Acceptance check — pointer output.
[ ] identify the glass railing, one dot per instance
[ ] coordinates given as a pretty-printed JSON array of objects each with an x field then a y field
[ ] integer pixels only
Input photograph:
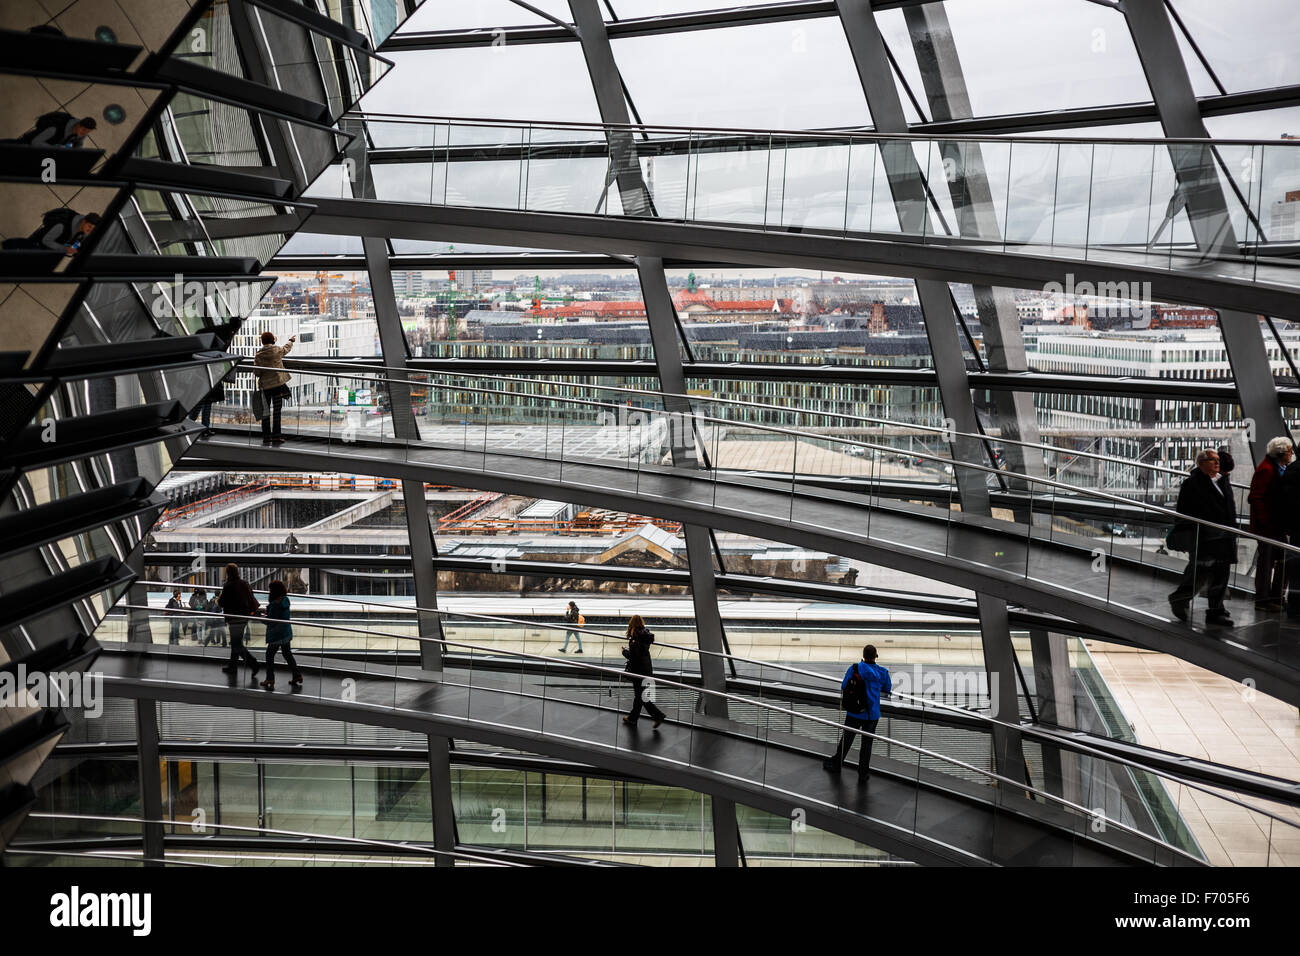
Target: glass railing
[
  {"x": 127, "y": 825},
  {"x": 1145, "y": 481},
  {"x": 721, "y": 428},
  {"x": 1100, "y": 548},
  {"x": 1164, "y": 204},
  {"x": 1113, "y": 789}
]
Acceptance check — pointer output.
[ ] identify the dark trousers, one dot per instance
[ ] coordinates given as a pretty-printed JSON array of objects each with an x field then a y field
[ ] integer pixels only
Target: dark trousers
[
  {"x": 1269, "y": 573},
  {"x": 1291, "y": 574},
  {"x": 846, "y": 742},
  {"x": 1210, "y": 576},
  {"x": 288, "y": 659},
  {"x": 271, "y": 406},
  {"x": 174, "y": 634},
  {"x": 237, "y": 649},
  {"x": 216, "y": 634},
  {"x": 638, "y": 703},
  {"x": 203, "y": 414}
]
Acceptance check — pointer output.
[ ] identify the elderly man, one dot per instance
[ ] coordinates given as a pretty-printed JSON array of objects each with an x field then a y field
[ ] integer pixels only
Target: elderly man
[
  {"x": 1212, "y": 551},
  {"x": 1267, "y": 519}
]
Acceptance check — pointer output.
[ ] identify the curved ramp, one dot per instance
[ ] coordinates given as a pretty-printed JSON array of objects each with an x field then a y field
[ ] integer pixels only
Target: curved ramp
[
  {"x": 925, "y": 816},
  {"x": 1124, "y": 595}
]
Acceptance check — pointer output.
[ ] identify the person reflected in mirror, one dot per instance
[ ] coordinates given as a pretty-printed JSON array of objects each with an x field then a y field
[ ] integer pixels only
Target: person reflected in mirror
[
  {"x": 216, "y": 623},
  {"x": 59, "y": 130},
  {"x": 173, "y": 613},
  {"x": 202, "y": 412},
  {"x": 273, "y": 381},
  {"x": 860, "y": 692},
  {"x": 1211, "y": 551},
  {"x": 637, "y": 652},
  {"x": 1266, "y": 520},
  {"x": 279, "y": 634},
  {"x": 61, "y": 230},
  {"x": 198, "y": 603}
]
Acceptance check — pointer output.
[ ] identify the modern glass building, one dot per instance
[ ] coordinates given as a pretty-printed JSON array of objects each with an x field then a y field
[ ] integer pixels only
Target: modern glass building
[{"x": 451, "y": 342}]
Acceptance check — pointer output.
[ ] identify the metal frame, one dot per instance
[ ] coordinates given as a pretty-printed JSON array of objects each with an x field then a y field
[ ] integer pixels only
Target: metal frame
[
  {"x": 942, "y": 322},
  {"x": 424, "y": 549},
  {"x": 946, "y": 261},
  {"x": 1171, "y": 88},
  {"x": 146, "y": 732}
]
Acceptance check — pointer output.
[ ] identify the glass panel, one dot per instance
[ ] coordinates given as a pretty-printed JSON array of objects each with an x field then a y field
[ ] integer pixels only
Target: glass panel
[
  {"x": 1022, "y": 56},
  {"x": 807, "y": 79},
  {"x": 496, "y": 93},
  {"x": 1250, "y": 45}
]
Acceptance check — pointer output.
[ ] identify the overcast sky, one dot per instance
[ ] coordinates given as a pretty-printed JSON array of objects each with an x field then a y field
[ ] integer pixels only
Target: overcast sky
[{"x": 1017, "y": 55}]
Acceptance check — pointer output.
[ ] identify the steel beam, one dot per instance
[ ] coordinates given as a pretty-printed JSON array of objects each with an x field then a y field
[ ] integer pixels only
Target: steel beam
[
  {"x": 1054, "y": 694},
  {"x": 1000, "y": 665},
  {"x": 151, "y": 808},
  {"x": 444, "y": 813},
  {"x": 257, "y": 70},
  {"x": 392, "y": 343},
  {"x": 910, "y": 194},
  {"x": 625, "y": 168},
  {"x": 662, "y": 318},
  {"x": 699, "y": 545},
  {"x": 1197, "y": 170},
  {"x": 894, "y": 255},
  {"x": 974, "y": 205},
  {"x": 708, "y": 619}
]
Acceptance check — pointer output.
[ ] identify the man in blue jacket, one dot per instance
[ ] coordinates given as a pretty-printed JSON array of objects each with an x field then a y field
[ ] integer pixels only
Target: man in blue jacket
[{"x": 869, "y": 680}]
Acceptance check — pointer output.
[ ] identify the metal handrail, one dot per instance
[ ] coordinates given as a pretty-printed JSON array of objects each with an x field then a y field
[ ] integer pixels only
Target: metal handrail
[
  {"x": 386, "y": 844},
  {"x": 763, "y": 406},
  {"x": 865, "y": 136},
  {"x": 621, "y": 675},
  {"x": 1074, "y": 491}
]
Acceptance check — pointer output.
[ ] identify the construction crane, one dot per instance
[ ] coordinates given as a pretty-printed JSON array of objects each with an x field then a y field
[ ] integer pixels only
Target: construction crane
[
  {"x": 323, "y": 292},
  {"x": 452, "y": 295}
]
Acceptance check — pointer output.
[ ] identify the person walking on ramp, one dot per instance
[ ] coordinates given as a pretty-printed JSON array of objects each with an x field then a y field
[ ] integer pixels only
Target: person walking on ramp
[
  {"x": 860, "y": 692},
  {"x": 637, "y": 652}
]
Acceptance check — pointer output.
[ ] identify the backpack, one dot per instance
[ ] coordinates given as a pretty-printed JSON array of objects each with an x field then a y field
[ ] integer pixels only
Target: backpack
[
  {"x": 61, "y": 216},
  {"x": 854, "y": 696},
  {"x": 581, "y": 620},
  {"x": 57, "y": 119}
]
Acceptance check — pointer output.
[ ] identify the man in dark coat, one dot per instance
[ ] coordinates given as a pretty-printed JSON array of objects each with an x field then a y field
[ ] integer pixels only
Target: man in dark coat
[
  {"x": 1206, "y": 495},
  {"x": 1289, "y": 498},
  {"x": 1266, "y": 520}
]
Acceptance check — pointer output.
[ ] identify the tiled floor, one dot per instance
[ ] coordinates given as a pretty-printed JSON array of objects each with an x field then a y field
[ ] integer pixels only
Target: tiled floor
[{"x": 1173, "y": 705}]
